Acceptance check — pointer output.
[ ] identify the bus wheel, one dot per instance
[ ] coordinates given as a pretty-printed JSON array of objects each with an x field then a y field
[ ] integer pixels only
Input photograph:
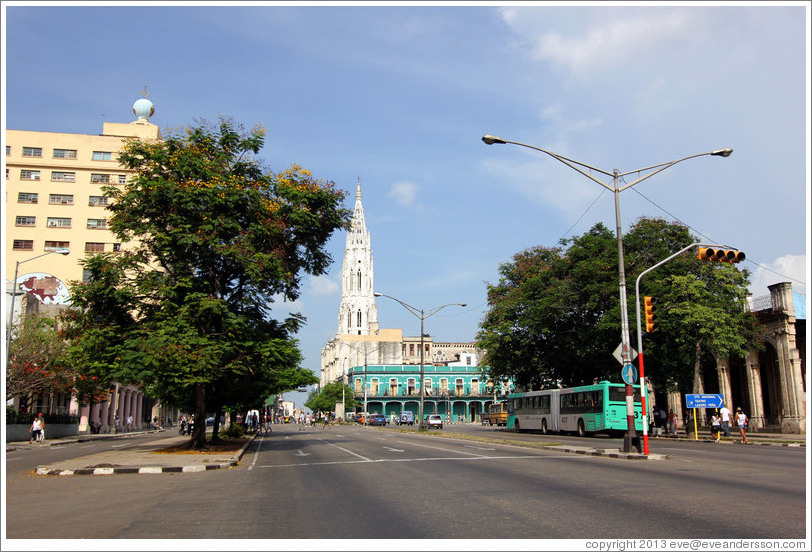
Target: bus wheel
[
  {"x": 516, "y": 427},
  {"x": 544, "y": 427},
  {"x": 581, "y": 431}
]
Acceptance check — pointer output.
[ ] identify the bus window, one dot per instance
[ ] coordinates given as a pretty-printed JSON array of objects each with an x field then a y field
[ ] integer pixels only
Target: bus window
[{"x": 618, "y": 394}]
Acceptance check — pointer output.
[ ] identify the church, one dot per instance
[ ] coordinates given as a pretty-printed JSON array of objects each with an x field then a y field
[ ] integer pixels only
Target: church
[{"x": 366, "y": 356}]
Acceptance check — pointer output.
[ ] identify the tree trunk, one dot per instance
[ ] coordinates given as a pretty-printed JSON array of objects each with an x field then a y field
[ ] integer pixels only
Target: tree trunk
[
  {"x": 698, "y": 388},
  {"x": 199, "y": 433},
  {"x": 215, "y": 430}
]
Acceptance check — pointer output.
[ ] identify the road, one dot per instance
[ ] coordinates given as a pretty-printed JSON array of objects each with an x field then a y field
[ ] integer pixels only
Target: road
[{"x": 367, "y": 483}]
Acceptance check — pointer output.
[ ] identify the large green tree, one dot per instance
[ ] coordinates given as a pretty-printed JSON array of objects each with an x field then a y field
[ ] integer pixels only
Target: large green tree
[
  {"x": 554, "y": 314},
  {"x": 325, "y": 399},
  {"x": 216, "y": 239}
]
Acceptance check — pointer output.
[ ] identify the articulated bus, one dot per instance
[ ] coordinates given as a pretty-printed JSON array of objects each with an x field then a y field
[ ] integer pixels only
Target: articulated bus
[{"x": 599, "y": 408}]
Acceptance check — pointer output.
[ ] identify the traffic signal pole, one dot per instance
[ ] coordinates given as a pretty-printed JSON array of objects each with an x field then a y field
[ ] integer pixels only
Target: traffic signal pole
[{"x": 728, "y": 255}]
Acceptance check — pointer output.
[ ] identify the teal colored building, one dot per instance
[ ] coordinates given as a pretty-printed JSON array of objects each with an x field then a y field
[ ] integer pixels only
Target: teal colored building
[{"x": 458, "y": 393}]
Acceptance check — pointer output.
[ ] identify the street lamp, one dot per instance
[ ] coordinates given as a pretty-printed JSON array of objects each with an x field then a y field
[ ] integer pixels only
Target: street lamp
[
  {"x": 423, "y": 314},
  {"x": 366, "y": 417},
  {"x": 14, "y": 290},
  {"x": 625, "y": 351}
]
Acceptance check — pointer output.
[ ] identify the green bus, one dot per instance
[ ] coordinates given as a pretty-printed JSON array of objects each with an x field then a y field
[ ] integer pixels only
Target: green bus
[{"x": 599, "y": 408}]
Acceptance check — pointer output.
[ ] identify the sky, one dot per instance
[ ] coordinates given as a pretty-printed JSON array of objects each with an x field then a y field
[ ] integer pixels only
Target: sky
[{"x": 398, "y": 95}]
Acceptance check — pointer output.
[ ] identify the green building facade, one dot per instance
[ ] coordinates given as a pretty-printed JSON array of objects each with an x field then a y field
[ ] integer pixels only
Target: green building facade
[{"x": 458, "y": 393}]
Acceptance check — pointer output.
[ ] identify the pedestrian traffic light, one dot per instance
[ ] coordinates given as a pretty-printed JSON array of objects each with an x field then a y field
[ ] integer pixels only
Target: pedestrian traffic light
[
  {"x": 722, "y": 255},
  {"x": 651, "y": 318}
]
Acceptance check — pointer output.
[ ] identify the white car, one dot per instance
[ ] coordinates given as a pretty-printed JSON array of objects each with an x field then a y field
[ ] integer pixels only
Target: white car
[{"x": 434, "y": 420}]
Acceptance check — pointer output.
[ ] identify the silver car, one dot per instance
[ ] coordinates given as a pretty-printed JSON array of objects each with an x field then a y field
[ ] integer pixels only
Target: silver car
[{"x": 434, "y": 420}]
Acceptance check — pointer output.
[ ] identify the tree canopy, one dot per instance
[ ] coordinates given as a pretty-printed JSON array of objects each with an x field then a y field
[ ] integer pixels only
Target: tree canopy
[
  {"x": 188, "y": 308},
  {"x": 554, "y": 314},
  {"x": 326, "y": 398}
]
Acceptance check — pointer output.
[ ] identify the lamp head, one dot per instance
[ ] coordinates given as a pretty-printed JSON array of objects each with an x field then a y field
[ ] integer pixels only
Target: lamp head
[
  {"x": 376, "y": 294},
  {"x": 722, "y": 152},
  {"x": 463, "y": 304},
  {"x": 491, "y": 139}
]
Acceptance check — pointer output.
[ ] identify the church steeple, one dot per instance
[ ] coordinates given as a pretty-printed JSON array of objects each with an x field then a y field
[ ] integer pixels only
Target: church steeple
[{"x": 358, "y": 313}]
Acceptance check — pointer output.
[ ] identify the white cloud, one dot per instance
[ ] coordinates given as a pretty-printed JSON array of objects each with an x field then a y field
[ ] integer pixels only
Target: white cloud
[
  {"x": 612, "y": 37},
  {"x": 789, "y": 268},
  {"x": 322, "y": 286},
  {"x": 404, "y": 192}
]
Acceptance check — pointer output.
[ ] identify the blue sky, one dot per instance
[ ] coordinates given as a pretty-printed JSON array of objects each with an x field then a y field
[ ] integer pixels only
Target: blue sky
[{"x": 400, "y": 96}]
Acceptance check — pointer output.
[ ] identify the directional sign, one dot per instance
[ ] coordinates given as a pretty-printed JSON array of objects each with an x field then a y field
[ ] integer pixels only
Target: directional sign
[
  {"x": 629, "y": 374},
  {"x": 704, "y": 401},
  {"x": 617, "y": 353}
]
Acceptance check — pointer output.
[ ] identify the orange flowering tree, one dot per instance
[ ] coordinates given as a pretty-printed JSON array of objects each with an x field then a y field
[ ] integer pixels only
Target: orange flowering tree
[{"x": 187, "y": 311}]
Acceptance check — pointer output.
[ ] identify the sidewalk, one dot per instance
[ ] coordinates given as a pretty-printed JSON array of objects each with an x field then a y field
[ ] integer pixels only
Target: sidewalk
[{"x": 139, "y": 457}]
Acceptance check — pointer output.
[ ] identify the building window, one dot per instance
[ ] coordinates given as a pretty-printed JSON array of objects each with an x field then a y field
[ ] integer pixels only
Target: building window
[
  {"x": 23, "y": 245},
  {"x": 8, "y": 150},
  {"x": 97, "y": 201},
  {"x": 373, "y": 387},
  {"x": 92, "y": 247},
  {"x": 411, "y": 349},
  {"x": 358, "y": 384},
  {"x": 427, "y": 384},
  {"x": 96, "y": 178},
  {"x": 60, "y": 176},
  {"x": 444, "y": 386},
  {"x": 54, "y": 245},
  {"x": 25, "y": 221},
  {"x": 393, "y": 386},
  {"x": 57, "y": 222},
  {"x": 359, "y": 280},
  {"x": 116, "y": 247},
  {"x": 475, "y": 387},
  {"x": 460, "y": 387},
  {"x": 64, "y": 153},
  {"x": 27, "y": 197},
  {"x": 60, "y": 199},
  {"x": 32, "y": 152},
  {"x": 359, "y": 318},
  {"x": 410, "y": 389},
  {"x": 102, "y": 156},
  {"x": 26, "y": 174},
  {"x": 97, "y": 224},
  {"x": 87, "y": 274}
]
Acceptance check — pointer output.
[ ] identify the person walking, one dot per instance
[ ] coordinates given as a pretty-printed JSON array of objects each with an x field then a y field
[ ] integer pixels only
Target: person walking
[
  {"x": 36, "y": 429},
  {"x": 724, "y": 413},
  {"x": 741, "y": 421},
  {"x": 716, "y": 426},
  {"x": 672, "y": 422}
]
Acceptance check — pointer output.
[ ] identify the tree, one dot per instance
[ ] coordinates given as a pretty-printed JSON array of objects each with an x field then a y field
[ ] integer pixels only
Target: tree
[
  {"x": 325, "y": 400},
  {"x": 36, "y": 361},
  {"x": 218, "y": 239},
  {"x": 554, "y": 315}
]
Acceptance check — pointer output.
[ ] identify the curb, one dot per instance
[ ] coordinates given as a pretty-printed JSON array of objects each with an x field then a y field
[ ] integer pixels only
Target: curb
[{"x": 112, "y": 470}]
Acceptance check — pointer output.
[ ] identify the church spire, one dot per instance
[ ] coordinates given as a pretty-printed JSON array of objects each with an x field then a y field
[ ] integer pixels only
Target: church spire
[{"x": 358, "y": 313}]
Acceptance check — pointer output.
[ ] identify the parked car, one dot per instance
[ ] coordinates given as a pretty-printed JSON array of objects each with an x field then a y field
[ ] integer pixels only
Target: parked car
[
  {"x": 406, "y": 417},
  {"x": 434, "y": 420},
  {"x": 378, "y": 419}
]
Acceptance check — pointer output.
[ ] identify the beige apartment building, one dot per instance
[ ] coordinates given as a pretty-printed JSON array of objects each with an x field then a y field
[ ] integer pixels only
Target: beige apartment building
[{"x": 54, "y": 201}]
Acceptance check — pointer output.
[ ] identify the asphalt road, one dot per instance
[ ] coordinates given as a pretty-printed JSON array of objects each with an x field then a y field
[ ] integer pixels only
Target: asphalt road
[{"x": 368, "y": 483}]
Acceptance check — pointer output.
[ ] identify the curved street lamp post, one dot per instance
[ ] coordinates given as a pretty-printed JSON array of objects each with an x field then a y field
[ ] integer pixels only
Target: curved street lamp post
[
  {"x": 630, "y": 440},
  {"x": 422, "y": 315},
  {"x": 15, "y": 290}
]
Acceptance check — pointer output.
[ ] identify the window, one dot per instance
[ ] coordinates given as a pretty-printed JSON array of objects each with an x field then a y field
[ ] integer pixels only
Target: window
[
  {"x": 8, "y": 150},
  {"x": 87, "y": 274},
  {"x": 60, "y": 199},
  {"x": 32, "y": 152},
  {"x": 57, "y": 222},
  {"x": 64, "y": 153},
  {"x": 54, "y": 245},
  {"x": 358, "y": 384},
  {"x": 96, "y": 178},
  {"x": 97, "y": 224},
  {"x": 27, "y": 197},
  {"x": 97, "y": 201},
  {"x": 93, "y": 247},
  {"x": 25, "y": 221},
  {"x": 102, "y": 156},
  {"x": 116, "y": 247},
  {"x": 60, "y": 176},
  {"x": 23, "y": 245},
  {"x": 26, "y": 174}
]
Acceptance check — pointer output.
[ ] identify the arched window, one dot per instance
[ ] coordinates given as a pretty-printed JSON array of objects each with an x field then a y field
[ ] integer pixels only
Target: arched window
[{"x": 359, "y": 279}]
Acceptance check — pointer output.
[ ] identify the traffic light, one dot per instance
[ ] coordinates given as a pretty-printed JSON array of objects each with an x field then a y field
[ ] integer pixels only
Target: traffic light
[
  {"x": 722, "y": 255},
  {"x": 651, "y": 319}
]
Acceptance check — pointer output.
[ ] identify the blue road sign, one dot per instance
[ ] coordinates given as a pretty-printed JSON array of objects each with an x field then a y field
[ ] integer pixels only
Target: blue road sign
[
  {"x": 704, "y": 401},
  {"x": 629, "y": 374}
]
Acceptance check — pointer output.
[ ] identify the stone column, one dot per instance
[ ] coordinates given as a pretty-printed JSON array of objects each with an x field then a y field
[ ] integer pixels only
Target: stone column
[
  {"x": 104, "y": 416},
  {"x": 793, "y": 398},
  {"x": 754, "y": 390},
  {"x": 723, "y": 374},
  {"x": 84, "y": 414},
  {"x": 139, "y": 405}
]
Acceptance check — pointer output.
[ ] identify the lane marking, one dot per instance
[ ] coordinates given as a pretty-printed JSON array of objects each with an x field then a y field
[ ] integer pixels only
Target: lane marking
[
  {"x": 451, "y": 458},
  {"x": 480, "y": 448},
  {"x": 390, "y": 449},
  {"x": 302, "y": 454},
  {"x": 444, "y": 449},
  {"x": 256, "y": 453},
  {"x": 364, "y": 458}
]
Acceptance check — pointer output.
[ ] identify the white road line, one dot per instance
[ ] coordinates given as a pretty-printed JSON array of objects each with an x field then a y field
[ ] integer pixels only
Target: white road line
[
  {"x": 451, "y": 459},
  {"x": 480, "y": 448},
  {"x": 443, "y": 449},
  {"x": 256, "y": 452},
  {"x": 364, "y": 458}
]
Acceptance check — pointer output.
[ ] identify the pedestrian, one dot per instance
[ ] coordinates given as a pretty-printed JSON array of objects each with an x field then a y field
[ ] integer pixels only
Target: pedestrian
[
  {"x": 117, "y": 422},
  {"x": 36, "y": 429},
  {"x": 182, "y": 424},
  {"x": 724, "y": 413},
  {"x": 129, "y": 423},
  {"x": 672, "y": 422},
  {"x": 741, "y": 421},
  {"x": 42, "y": 428},
  {"x": 716, "y": 426}
]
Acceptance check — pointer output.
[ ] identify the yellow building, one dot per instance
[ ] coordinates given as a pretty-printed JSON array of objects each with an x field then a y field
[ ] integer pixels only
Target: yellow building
[{"x": 54, "y": 201}]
